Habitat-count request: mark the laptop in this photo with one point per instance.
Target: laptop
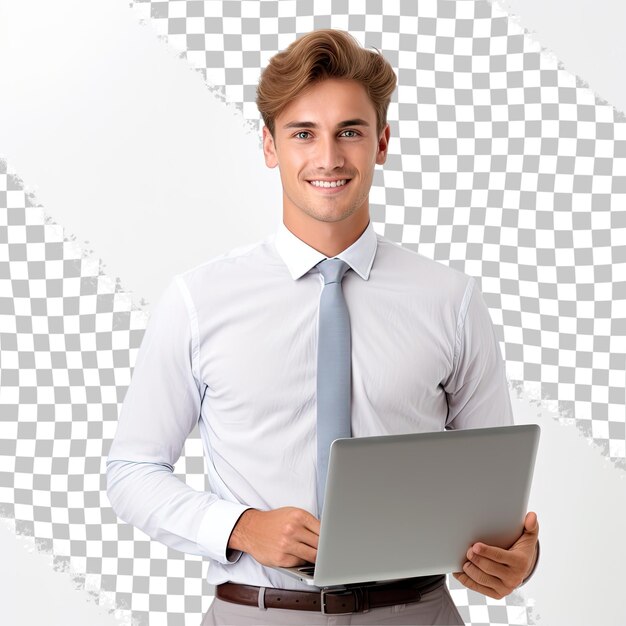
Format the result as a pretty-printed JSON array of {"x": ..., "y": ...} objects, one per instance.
[{"x": 399, "y": 506}]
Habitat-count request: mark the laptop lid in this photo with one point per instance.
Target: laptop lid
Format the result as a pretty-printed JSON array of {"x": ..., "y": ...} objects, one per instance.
[{"x": 398, "y": 506}]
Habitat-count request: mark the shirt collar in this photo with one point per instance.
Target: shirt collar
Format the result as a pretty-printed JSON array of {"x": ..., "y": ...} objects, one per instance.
[{"x": 299, "y": 257}]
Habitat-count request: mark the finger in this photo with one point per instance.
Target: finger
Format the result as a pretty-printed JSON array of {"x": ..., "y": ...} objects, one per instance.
[
  {"x": 302, "y": 551},
  {"x": 464, "y": 579},
  {"x": 312, "y": 523},
  {"x": 308, "y": 538},
  {"x": 293, "y": 561},
  {"x": 494, "y": 568},
  {"x": 482, "y": 578},
  {"x": 499, "y": 555}
]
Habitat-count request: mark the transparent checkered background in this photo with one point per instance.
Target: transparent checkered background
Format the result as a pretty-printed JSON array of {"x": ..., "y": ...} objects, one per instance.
[{"x": 501, "y": 164}]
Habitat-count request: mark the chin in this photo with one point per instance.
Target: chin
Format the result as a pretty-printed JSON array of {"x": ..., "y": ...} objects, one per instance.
[{"x": 335, "y": 216}]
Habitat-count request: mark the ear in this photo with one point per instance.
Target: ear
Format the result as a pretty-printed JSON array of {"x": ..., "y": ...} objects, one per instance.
[
  {"x": 383, "y": 145},
  {"x": 269, "y": 148}
]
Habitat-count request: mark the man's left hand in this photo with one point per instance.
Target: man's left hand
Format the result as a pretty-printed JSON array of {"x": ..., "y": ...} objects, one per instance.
[{"x": 495, "y": 572}]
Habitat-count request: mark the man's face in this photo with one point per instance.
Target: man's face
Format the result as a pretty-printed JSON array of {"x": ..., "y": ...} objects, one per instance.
[{"x": 327, "y": 133}]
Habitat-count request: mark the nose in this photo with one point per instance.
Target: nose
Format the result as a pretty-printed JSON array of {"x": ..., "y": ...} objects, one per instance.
[{"x": 329, "y": 154}]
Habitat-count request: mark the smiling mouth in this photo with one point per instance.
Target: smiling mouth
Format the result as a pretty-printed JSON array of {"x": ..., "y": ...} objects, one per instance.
[{"x": 330, "y": 185}]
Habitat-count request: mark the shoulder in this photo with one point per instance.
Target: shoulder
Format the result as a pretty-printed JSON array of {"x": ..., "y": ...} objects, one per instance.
[
  {"x": 228, "y": 266},
  {"x": 430, "y": 278}
]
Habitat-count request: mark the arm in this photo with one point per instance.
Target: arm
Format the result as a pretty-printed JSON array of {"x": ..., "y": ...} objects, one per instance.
[
  {"x": 476, "y": 389},
  {"x": 160, "y": 409},
  {"x": 478, "y": 397}
]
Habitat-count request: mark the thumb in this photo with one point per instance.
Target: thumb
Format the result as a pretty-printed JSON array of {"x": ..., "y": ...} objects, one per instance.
[{"x": 531, "y": 524}]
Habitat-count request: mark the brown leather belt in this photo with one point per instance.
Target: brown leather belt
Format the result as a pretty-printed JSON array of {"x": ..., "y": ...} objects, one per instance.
[{"x": 332, "y": 601}]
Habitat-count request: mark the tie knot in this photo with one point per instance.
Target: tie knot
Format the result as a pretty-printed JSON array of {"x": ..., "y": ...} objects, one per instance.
[{"x": 333, "y": 270}]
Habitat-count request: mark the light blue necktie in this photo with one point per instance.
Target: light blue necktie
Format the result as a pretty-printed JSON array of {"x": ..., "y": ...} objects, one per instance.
[{"x": 333, "y": 368}]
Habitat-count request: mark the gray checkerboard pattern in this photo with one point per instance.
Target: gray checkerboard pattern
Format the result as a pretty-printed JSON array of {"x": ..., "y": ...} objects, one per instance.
[
  {"x": 504, "y": 165},
  {"x": 501, "y": 164}
]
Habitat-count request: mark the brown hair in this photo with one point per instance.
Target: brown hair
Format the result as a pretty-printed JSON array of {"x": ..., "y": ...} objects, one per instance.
[{"x": 321, "y": 54}]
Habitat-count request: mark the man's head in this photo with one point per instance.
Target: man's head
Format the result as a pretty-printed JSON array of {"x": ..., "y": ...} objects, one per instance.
[
  {"x": 326, "y": 53},
  {"x": 324, "y": 102}
]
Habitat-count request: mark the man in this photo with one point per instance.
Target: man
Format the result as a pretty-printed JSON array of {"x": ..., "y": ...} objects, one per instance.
[{"x": 232, "y": 346}]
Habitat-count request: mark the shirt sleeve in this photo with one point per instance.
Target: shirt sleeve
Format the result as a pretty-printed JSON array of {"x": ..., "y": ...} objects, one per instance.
[
  {"x": 477, "y": 390},
  {"x": 160, "y": 409}
]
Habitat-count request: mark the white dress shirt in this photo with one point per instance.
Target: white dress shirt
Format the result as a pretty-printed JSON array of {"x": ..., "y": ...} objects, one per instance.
[{"x": 231, "y": 346}]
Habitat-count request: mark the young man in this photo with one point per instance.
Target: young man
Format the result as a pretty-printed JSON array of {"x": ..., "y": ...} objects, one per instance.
[{"x": 232, "y": 345}]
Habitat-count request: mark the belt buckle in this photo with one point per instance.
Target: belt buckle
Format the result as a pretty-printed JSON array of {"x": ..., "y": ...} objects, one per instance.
[{"x": 337, "y": 592}]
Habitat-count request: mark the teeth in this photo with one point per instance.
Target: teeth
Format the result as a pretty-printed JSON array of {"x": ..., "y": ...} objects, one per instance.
[{"x": 319, "y": 183}]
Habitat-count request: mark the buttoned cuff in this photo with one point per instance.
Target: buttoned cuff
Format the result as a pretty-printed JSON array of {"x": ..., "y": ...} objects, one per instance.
[
  {"x": 215, "y": 530},
  {"x": 533, "y": 569}
]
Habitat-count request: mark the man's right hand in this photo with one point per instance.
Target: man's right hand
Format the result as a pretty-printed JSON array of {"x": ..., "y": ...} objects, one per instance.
[{"x": 284, "y": 537}]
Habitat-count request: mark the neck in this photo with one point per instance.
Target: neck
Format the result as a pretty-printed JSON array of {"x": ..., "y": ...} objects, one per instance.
[{"x": 329, "y": 238}]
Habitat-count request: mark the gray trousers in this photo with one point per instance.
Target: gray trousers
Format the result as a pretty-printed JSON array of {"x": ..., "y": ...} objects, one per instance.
[{"x": 435, "y": 607}]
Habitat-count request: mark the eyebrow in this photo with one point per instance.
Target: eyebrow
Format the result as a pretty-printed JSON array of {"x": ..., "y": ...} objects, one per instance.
[{"x": 355, "y": 122}]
